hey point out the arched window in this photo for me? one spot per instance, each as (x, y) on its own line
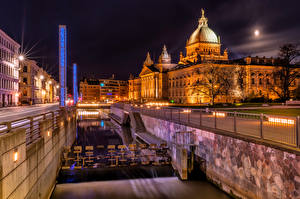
(25, 69)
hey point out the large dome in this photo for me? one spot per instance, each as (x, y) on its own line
(203, 33)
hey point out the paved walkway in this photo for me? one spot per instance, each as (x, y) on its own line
(18, 112)
(245, 125)
(259, 107)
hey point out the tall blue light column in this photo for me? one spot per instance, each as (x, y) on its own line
(62, 64)
(75, 89)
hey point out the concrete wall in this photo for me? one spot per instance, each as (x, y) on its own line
(241, 168)
(33, 175)
(118, 112)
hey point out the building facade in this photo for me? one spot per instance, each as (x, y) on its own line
(103, 90)
(185, 81)
(152, 83)
(36, 85)
(9, 70)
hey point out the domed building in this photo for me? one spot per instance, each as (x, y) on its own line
(188, 81)
(203, 44)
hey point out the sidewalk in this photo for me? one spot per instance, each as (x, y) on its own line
(25, 106)
(259, 107)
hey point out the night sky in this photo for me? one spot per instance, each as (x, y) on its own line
(113, 36)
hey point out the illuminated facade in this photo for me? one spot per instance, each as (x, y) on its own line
(134, 92)
(203, 45)
(9, 70)
(176, 82)
(103, 90)
(153, 79)
(36, 86)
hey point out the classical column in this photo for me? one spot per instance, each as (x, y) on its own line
(156, 87)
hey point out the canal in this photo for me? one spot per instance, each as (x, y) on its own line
(98, 176)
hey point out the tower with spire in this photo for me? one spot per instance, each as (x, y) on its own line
(164, 58)
(148, 61)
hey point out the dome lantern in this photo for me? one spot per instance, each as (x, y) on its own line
(203, 20)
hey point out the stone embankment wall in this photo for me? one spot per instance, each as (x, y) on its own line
(33, 174)
(243, 169)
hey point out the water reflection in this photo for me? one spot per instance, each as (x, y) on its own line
(93, 132)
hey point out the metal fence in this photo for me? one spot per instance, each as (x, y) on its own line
(32, 125)
(281, 129)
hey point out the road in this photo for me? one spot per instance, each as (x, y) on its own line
(14, 113)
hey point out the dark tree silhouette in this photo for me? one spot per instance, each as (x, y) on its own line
(286, 72)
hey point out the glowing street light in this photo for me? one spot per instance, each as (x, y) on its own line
(42, 77)
(256, 33)
(21, 57)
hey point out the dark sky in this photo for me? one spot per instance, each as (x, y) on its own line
(113, 36)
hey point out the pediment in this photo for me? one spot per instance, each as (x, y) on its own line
(145, 71)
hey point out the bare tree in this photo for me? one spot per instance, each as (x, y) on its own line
(214, 81)
(227, 82)
(285, 74)
(241, 84)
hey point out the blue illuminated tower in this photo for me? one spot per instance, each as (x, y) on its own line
(75, 89)
(62, 64)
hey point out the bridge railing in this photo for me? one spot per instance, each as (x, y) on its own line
(32, 125)
(280, 129)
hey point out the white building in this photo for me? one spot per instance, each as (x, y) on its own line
(9, 70)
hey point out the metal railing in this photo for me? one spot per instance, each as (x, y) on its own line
(280, 129)
(32, 125)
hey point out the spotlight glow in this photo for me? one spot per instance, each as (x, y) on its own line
(218, 114)
(281, 120)
(16, 156)
(21, 57)
(256, 33)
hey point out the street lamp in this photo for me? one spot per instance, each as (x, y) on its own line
(21, 57)
(42, 77)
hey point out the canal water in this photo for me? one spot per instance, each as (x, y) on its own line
(123, 182)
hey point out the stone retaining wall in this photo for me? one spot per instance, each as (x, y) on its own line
(241, 168)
